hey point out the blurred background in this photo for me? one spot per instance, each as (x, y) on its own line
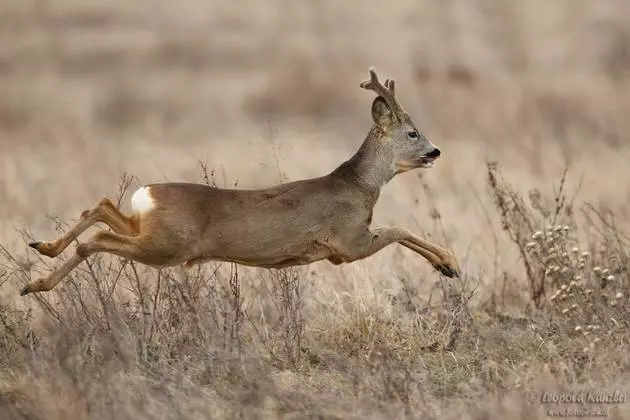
(264, 92)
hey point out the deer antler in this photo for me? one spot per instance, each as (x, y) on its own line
(386, 91)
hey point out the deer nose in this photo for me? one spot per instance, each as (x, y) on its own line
(434, 153)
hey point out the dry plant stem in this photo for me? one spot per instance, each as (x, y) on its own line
(236, 309)
(495, 239)
(507, 203)
(100, 295)
(154, 309)
(559, 197)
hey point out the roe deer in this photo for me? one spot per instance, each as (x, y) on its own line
(294, 223)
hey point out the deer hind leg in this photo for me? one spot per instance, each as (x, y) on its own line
(129, 247)
(105, 212)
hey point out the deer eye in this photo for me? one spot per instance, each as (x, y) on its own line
(412, 135)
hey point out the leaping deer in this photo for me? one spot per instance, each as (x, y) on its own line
(290, 224)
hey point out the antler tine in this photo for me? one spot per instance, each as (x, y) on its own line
(386, 91)
(375, 84)
(390, 84)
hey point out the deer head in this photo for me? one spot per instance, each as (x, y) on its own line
(397, 136)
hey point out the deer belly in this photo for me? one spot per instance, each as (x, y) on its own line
(278, 258)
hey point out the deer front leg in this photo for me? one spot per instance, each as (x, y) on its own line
(441, 259)
(105, 212)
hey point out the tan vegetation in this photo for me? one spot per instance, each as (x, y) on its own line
(528, 102)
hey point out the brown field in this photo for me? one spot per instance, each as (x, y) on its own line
(529, 102)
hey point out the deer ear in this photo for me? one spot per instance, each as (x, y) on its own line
(381, 112)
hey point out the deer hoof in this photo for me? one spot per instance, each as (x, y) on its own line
(44, 248)
(447, 270)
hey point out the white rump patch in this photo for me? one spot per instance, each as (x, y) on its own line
(141, 200)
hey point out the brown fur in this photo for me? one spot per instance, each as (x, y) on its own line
(290, 224)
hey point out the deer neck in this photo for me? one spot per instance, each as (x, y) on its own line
(370, 168)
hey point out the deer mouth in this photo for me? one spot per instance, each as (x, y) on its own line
(427, 162)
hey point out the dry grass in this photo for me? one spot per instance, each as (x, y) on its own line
(528, 100)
